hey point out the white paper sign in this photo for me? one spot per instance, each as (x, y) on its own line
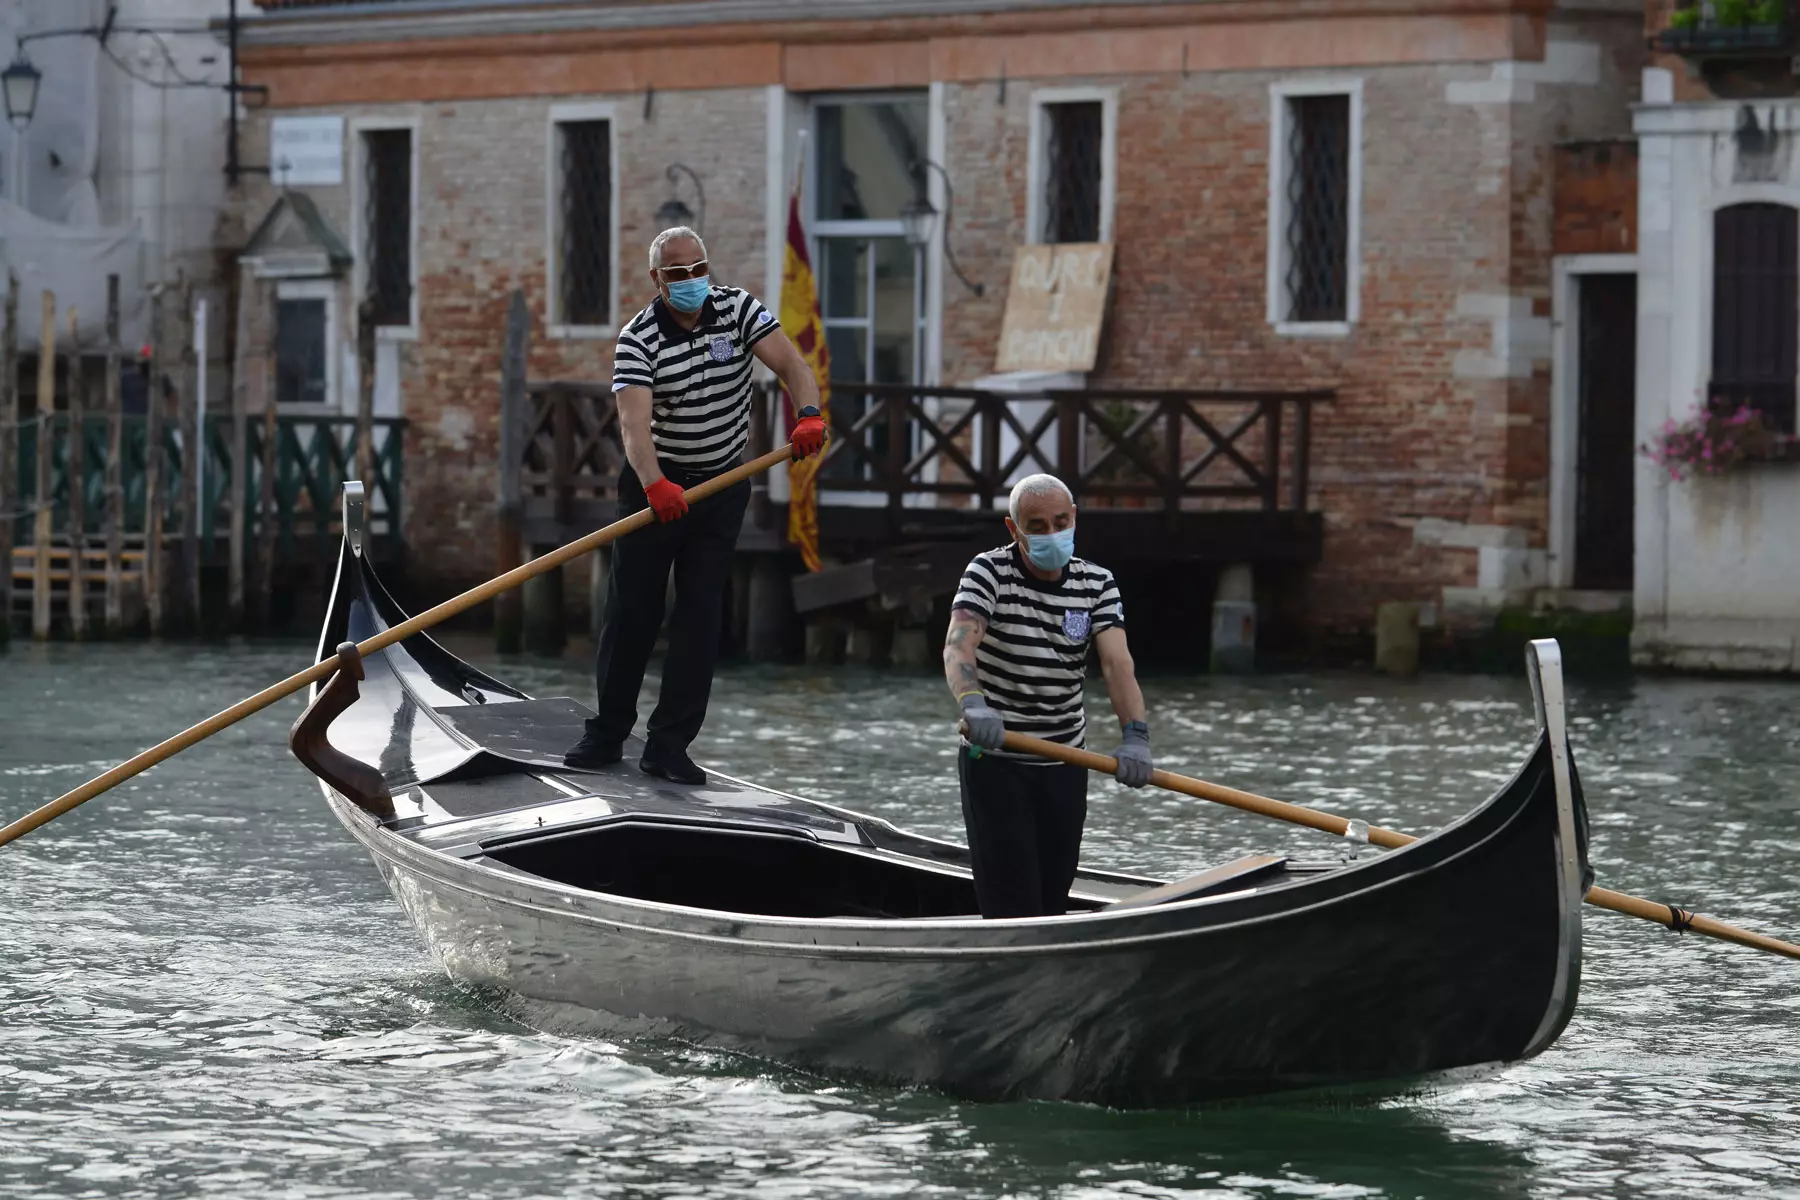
(306, 150)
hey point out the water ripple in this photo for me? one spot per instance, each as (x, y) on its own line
(205, 990)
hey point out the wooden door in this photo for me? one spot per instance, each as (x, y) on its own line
(1605, 423)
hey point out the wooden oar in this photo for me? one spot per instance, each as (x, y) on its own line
(387, 637)
(1663, 914)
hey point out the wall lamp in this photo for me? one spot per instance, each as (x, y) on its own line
(673, 212)
(919, 220)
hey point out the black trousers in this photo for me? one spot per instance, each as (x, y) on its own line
(1024, 824)
(698, 548)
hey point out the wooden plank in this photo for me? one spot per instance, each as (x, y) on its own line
(153, 471)
(59, 574)
(42, 530)
(509, 543)
(115, 469)
(1242, 871)
(75, 479)
(266, 530)
(834, 585)
(90, 554)
(188, 401)
(9, 446)
(239, 497)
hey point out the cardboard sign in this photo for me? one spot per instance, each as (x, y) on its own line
(1055, 308)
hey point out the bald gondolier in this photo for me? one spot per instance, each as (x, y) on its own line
(682, 380)
(1021, 626)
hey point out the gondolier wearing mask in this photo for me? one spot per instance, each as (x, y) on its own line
(682, 380)
(1015, 656)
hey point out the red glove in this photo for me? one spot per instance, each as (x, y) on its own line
(667, 499)
(808, 437)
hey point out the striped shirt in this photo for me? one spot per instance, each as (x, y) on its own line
(1033, 658)
(699, 378)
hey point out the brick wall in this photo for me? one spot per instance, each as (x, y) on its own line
(1596, 197)
(482, 233)
(1436, 445)
(1442, 412)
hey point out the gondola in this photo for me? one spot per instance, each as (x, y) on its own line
(738, 917)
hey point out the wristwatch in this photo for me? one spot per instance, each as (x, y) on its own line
(811, 410)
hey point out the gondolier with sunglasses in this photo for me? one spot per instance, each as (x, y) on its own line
(1015, 656)
(682, 381)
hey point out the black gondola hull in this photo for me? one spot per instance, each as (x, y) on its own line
(1461, 950)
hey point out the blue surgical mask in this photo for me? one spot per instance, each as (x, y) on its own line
(689, 294)
(1050, 551)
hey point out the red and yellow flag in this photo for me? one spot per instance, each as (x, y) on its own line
(801, 321)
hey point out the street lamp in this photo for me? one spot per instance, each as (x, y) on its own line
(918, 220)
(20, 83)
(673, 212)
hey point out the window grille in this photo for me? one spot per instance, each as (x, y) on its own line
(585, 223)
(1754, 311)
(1072, 167)
(387, 218)
(1318, 209)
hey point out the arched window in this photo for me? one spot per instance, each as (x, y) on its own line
(1755, 322)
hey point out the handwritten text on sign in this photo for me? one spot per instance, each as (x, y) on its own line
(1055, 308)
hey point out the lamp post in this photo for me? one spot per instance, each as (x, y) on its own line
(918, 221)
(20, 84)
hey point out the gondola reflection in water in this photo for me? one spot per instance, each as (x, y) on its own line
(735, 916)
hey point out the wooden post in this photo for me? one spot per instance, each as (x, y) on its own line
(9, 450)
(75, 480)
(508, 605)
(115, 473)
(365, 397)
(188, 403)
(43, 529)
(153, 472)
(266, 531)
(240, 447)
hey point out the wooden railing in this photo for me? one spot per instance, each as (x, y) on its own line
(1169, 450)
(1185, 449)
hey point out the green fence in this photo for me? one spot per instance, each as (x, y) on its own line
(314, 455)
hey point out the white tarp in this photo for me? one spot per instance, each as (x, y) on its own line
(50, 231)
(73, 263)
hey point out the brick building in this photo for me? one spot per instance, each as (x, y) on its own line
(1337, 196)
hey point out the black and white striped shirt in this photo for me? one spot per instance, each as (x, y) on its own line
(1033, 657)
(699, 378)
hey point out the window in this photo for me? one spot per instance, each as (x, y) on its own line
(1754, 311)
(387, 225)
(1071, 169)
(582, 249)
(300, 353)
(1072, 172)
(872, 294)
(1315, 181)
(306, 340)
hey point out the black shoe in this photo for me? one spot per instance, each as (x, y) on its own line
(593, 752)
(673, 765)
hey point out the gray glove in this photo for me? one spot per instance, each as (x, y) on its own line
(1134, 756)
(986, 729)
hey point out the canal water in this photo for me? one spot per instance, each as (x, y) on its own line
(206, 991)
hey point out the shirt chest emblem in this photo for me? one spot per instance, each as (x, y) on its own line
(720, 349)
(1075, 624)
